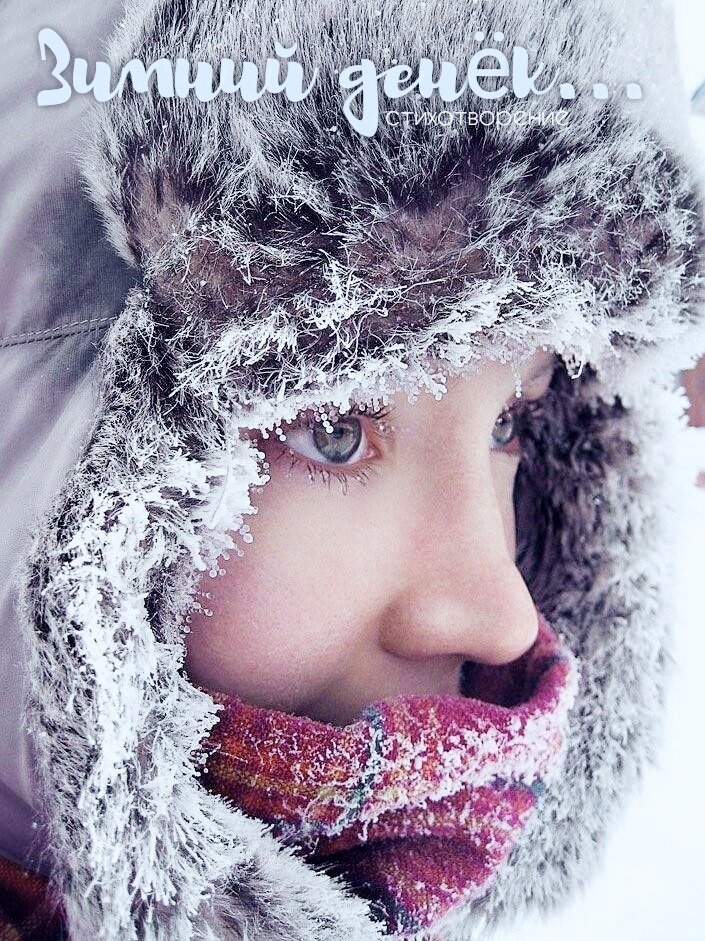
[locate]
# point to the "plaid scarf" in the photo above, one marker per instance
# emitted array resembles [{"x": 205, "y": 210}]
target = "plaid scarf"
[{"x": 418, "y": 802}]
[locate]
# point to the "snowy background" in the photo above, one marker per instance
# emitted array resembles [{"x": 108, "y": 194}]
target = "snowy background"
[{"x": 652, "y": 883}]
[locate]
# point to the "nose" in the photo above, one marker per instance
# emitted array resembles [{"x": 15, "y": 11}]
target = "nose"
[{"x": 462, "y": 594}]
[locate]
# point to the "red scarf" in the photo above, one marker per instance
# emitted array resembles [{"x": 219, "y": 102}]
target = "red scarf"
[{"x": 419, "y": 801}]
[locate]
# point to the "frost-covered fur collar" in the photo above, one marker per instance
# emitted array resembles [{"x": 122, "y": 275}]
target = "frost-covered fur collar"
[{"x": 284, "y": 266}]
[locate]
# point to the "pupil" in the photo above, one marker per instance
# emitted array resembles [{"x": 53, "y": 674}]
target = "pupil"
[{"x": 340, "y": 444}]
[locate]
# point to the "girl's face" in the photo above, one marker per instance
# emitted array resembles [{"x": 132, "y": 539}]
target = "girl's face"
[{"x": 383, "y": 556}]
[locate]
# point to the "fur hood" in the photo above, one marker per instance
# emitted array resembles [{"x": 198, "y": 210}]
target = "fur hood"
[{"x": 286, "y": 262}]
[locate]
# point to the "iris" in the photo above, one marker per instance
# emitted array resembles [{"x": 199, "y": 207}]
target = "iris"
[{"x": 339, "y": 444}]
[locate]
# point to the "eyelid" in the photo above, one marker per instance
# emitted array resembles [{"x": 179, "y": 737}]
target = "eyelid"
[{"x": 368, "y": 419}]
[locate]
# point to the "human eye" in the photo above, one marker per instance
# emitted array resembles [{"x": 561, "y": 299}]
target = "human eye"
[
  {"x": 505, "y": 432},
  {"x": 515, "y": 421},
  {"x": 343, "y": 441},
  {"x": 328, "y": 444}
]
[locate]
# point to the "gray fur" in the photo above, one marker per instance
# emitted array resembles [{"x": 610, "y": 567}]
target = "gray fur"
[{"x": 284, "y": 265}]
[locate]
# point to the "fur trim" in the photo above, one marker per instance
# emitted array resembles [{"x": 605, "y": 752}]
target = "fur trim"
[
  {"x": 284, "y": 266},
  {"x": 118, "y": 726}
]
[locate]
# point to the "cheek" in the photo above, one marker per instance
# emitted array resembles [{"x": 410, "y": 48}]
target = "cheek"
[
  {"x": 504, "y": 475},
  {"x": 258, "y": 642},
  {"x": 286, "y": 614}
]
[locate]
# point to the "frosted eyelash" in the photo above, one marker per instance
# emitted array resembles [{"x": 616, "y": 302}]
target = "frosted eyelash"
[
  {"x": 335, "y": 415},
  {"x": 315, "y": 472},
  {"x": 362, "y": 473}
]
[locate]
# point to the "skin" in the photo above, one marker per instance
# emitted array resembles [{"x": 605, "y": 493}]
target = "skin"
[{"x": 351, "y": 593}]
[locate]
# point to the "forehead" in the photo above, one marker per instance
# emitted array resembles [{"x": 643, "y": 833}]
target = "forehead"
[
  {"x": 532, "y": 368},
  {"x": 480, "y": 394}
]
